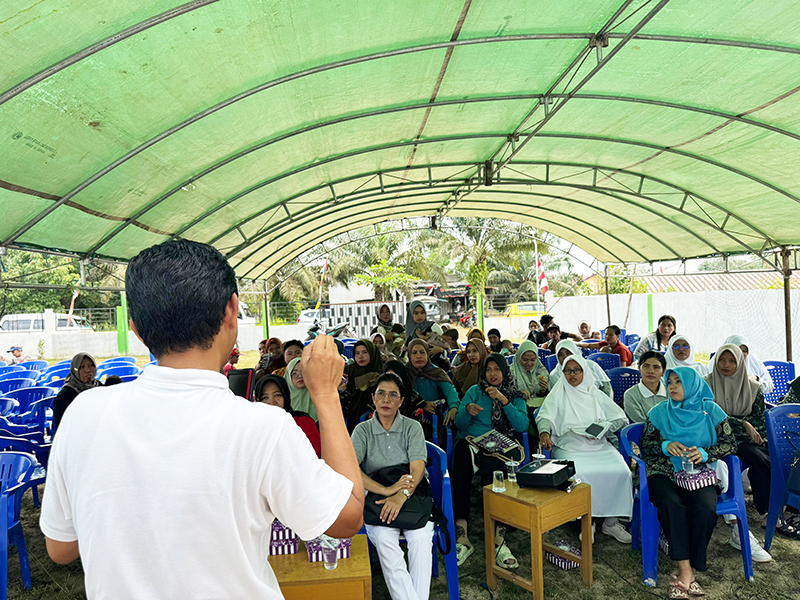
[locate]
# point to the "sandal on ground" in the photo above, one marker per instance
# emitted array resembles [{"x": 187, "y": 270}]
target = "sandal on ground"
[
  {"x": 696, "y": 590},
  {"x": 504, "y": 558},
  {"x": 676, "y": 592},
  {"x": 463, "y": 550},
  {"x": 789, "y": 531}
]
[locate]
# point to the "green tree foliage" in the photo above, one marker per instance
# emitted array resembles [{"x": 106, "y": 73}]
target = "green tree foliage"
[
  {"x": 384, "y": 278},
  {"x": 619, "y": 282}
]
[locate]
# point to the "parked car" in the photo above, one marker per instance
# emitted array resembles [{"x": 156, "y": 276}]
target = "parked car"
[
  {"x": 310, "y": 316},
  {"x": 33, "y": 322},
  {"x": 525, "y": 309}
]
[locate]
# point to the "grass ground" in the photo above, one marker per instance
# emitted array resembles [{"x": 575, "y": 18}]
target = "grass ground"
[{"x": 617, "y": 569}]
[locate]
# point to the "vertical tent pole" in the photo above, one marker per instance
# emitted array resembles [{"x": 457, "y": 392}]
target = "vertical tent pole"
[
  {"x": 265, "y": 318},
  {"x": 787, "y": 301},
  {"x": 122, "y": 325},
  {"x": 608, "y": 299},
  {"x": 650, "y": 313}
]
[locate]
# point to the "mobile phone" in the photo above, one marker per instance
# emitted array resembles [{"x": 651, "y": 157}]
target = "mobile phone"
[{"x": 595, "y": 429}]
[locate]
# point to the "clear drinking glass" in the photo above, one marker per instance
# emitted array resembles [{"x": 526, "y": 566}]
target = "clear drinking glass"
[
  {"x": 499, "y": 483},
  {"x": 329, "y": 557},
  {"x": 511, "y": 467},
  {"x": 687, "y": 464}
]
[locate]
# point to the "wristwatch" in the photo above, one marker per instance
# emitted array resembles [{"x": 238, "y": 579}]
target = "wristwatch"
[{"x": 406, "y": 493}]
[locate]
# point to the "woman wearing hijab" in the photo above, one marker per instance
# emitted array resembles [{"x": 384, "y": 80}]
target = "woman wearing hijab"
[
  {"x": 416, "y": 319},
  {"x": 495, "y": 403},
  {"x": 82, "y": 370},
  {"x": 299, "y": 396},
  {"x": 413, "y": 403},
  {"x": 688, "y": 424},
  {"x": 472, "y": 334},
  {"x": 495, "y": 340},
  {"x": 291, "y": 350},
  {"x": 392, "y": 331},
  {"x": 360, "y": 375},
  {"x": 432, "y": 384},
  {"x": 573, "y": 404},
  {"x": 533, "y": 378},
  {"x": 659, "y": 340},
  {"x": 681, "y": 354},
  {"x": 272, "y": 359},
  {"x": 755, "y": 368},
  {"x": 274, "y": 390},
  {"x": 566, "y": 348},
  {"x": 743, "y": 401},
  {"x": 379, "y": 340},
  {"x": 468, "y": 372}
]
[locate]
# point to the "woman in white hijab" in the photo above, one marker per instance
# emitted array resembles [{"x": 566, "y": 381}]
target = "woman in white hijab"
[
  {"x": 573, "y": 405},
  {"x": 681, "y": 354},
  {"x": 755, "y": 368},
  {"x": 566, "y": 348}
]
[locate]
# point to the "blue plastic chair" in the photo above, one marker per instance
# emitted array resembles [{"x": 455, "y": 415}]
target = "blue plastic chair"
[
  {"x": 348, "y": 350},
  {"x": 439, "y": 478},
  {"x": 510, "y": 359},
  {"x": 779, "y": 421},
  {"x": 550, "y": 362},
  {"x": 11, "y": 369},
  {"x": 16, "y": 470},
  {"x": 633, "y": 347},
  {"x": 120, "y": 370},
  {"x": 543, "y": 353},
  {"x": 782, "y": 373},
  {"x": 632, "y": 338},
  {"x": 9, "y": 385},
  {"x": 40, "y": 451},
  {"x": 26, "y": 396},
  {"x": 606, "y": 360},
  {"x": 35, "y": 417},
  {"x": 127, "y": 378},
  {"x": 645, "y": 515},
  {"x": 622, "y": 378},
  {"x": 55, "y": 383},
  {"x": 3, "y": 363},
  {"x": 128, "y": 360},
  {"x": 36, "y": 365},
  {"x": 8, "y": 406},
  {"x": 29, "y": 373},
  {"x": 54, "y": 372},
  {"x": 587, "y": 352}
]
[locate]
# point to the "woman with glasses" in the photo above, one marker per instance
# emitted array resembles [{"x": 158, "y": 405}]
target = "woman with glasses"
[
  {"x": 300, "y": 397},
  {"x": 681, "y": 354},
  {"x": 575, "y": 423},
  {"x": 389, "y": 439}
]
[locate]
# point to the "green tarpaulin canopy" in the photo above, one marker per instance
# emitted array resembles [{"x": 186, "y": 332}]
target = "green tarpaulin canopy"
[{"x": 638, "y": 130}]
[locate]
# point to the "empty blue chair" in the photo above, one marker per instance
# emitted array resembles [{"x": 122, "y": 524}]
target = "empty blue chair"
[
  {"x": 606, "y": 360},
  {"x": 36, "y": 365},
  {"x": 120, "y": 370},
  {"x": 127, "y": 378},
  {"x": 3, "y": 363},
  {"x": 439, "y": 478},
  {"x": 11, "y": 369},
  {"x": 779, "y": 421},
  {"x": 8, "y": 406},
  {"x": 550, "y": 362},
  {"x": 633, "y": 347},
  {"x": 54, "y": 372},
  {"x": 16, "y": 471},
  {"x": 30, "y": 373},
  {"x": 543, "y": 354},
  {"x": 510, "y": 359},
  {"x": 645, "y": 515},
  {"x": 28, "y": 395},
  {"x": 41, "y": 452},
  {"x": 782, "y": 373},
  {"x": 348, "y": 350},
  {"x": 55, "y": 383},
  {"x": 130, "y": 360},
  {"x": 586, "y": 352},
  {"x": 632, "y": 338},
  {"x": 622, "y": 378},
  {"x": 9, "y": 385}
]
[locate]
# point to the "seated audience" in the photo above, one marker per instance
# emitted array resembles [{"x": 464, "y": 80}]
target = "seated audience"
[
  {"x": 271, "y": 357},
  {"x": 613, "y": 344},
  {"x": 681, "y": 354},
  {"x": 467, "y": 374},
  {"x": 553, "y": 337},
  {"x": 231, "y": 364},
  {"x": 450, "y": 336},
  {"x": 547, "y": 320},
  {"x": 291, "y": 350},
  {"x": 584, "y": 329},
  {"x": 274, "y": 390},
  {"x": 416, "y": 320},
  {"x": 495, "y": 342},
  {"x": 461, "y": 357},
  {"x": 532, "y": 376},
  {"x": 391, "y": 330},
  {"x": 390, "y": 439},
  {"x": 432, "y": 384},
  {"x": 535, "y": 333},
  {"x": 659, "y": 339},
  {"x": 596, "y": 336},
  {"x": 507, "y": 348},
  {"x": 299, "y": 395},
  {"x": 573, "y": 404},
  {"x": 16, "y": 357},
  {"x": 567, "y": 348},
  {"x": 379, "y": 340},
  {"x": 755, "y": 368},
  {"x": 688, "y": 424},
  {"x": 82, "y": 370},
  {"x": 359, "y": 381},
  {"x": 743, "y": 401},
  {"x": 495, "y": 403},
  {"x": 651, "y": 390},
  {"x": 413, "y": 403}
]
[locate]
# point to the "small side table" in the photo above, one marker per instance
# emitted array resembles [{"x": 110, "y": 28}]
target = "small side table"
[{"x": 537, "y": 510}]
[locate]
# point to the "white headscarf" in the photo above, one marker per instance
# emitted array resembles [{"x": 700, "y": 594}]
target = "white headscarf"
[
  {"x": 674, "y": 363},
  {"x": 754, "y": 364},
  {"x": 576, "y": 407},
  {"x": 599, "y": 376}
]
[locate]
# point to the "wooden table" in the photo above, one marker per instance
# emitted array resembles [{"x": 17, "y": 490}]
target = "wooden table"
[
  {"x": 537, "y": 510},
  {"x": 300, "y": 579}
]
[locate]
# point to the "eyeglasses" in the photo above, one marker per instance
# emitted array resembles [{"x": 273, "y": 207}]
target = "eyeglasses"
[
  {"x": 679, "y": 347},
  {"x": 573, "y": 371},
  {"x": 382, "y": 394},
  {"x": 296, "y": 374}
]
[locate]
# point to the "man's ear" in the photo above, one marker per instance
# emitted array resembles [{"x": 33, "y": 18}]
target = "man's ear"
[
  {"x": 132, "y": 327},
  {"x": 232, "y": 312}
]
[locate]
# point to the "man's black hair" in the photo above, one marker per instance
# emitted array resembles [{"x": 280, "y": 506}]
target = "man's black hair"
[
  {"x": 615, "y": 329},
  {"x": 297, "y": 343},
  {"x": 545, "y": 319},
  {"x": 653, "y": 354},
  {"x": 177, "y": 295},
  {"x": 553, "y": 327}
]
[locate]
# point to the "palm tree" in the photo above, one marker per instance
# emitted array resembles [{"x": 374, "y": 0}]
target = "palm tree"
[{"x": 517, "y": 282}]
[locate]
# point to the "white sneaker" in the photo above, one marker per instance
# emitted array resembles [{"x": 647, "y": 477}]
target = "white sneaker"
[
  {"x": 580, "y": 535},
  {"x": 617, "y": 531},
  {"x": 758, "y": 553}
]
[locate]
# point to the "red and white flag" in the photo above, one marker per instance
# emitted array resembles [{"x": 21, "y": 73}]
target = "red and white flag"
[{"x": 542, "y": 281}]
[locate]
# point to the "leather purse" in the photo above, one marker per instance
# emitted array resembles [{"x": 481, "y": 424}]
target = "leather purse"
[{"x": 416, "y": 511}]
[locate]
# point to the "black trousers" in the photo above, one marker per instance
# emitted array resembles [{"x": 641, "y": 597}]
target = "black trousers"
[
  {"x": 462, "y": 476},
  {"x": 760, "y": 474},
  {"x": 687, "y": 518}
]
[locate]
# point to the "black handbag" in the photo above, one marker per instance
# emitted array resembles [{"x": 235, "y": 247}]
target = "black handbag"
[{"x": 415, "y": 513}]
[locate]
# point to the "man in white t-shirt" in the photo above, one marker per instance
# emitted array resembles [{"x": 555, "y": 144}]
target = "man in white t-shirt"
[{"x": 166, "y": 487}]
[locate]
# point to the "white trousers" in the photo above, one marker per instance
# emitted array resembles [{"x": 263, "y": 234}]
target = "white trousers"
[{"x": 405, "y": 583}]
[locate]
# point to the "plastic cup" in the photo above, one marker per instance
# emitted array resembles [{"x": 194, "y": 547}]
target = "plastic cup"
[
  {"x": 498, "y": 483},
  {"x": 511, "y": 467},
  {"x": 329, "y": 557},
  {"x": 687, "y": 464}
]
